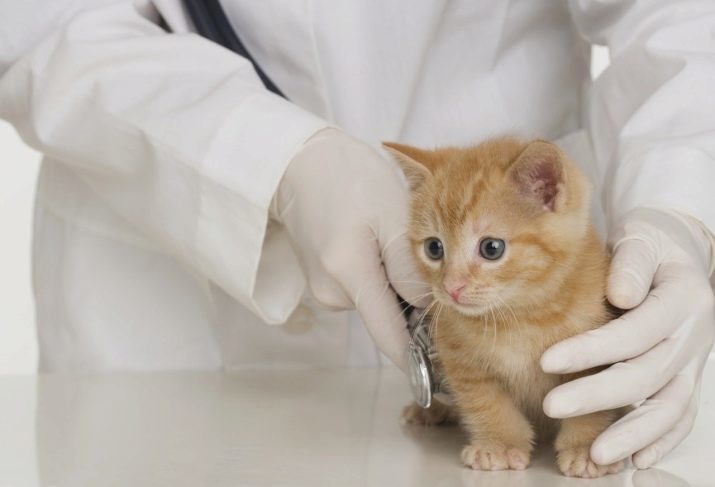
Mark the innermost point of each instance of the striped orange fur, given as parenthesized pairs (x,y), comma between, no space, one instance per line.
(548,285)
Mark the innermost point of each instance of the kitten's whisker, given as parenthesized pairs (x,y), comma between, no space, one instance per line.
(403,301)
(414,298)
(489,322)
(494,326)
(410,281)
(504,319)
(513,314)
(485,324)
(425,312)
(419,296)
(433,322)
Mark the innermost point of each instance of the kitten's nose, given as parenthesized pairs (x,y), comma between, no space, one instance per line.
(456,291)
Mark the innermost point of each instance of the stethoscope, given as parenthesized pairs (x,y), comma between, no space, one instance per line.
(211,22)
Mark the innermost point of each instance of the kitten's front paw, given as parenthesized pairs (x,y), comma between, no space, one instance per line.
(576,462)
(436,414)
(487,455)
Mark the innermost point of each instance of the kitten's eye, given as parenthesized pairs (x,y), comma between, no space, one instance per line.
(492,248)
(434,248)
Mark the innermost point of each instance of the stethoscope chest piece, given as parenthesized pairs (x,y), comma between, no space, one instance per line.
(419,369)
(425,380)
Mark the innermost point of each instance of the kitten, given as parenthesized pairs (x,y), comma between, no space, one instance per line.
(501,231)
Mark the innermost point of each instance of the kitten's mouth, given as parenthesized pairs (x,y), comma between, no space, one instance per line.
(466,308)
(470,309)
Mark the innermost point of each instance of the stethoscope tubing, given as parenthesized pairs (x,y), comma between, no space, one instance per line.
(211,22)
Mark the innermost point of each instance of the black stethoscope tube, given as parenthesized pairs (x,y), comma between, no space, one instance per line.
(211,22)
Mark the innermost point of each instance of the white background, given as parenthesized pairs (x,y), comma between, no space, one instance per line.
(18,171)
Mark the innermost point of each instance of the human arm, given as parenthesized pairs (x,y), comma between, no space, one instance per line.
(180,138)
(654,141)
(175,133)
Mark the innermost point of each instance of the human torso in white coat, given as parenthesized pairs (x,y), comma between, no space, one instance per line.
(427,73)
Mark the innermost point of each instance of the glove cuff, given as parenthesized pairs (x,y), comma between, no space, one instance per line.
(711,239)
(685,231)
(706,238)
(283,192)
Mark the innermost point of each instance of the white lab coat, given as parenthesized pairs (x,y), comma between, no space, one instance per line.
(153,247)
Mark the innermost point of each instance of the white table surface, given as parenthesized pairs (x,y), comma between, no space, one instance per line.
(266,428)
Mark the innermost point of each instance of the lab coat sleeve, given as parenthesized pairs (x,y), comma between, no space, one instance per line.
(651,112)
(175,133)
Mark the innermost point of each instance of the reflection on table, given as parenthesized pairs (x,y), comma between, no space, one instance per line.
(266,427)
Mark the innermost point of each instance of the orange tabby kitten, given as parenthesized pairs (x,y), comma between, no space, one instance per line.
(502,233)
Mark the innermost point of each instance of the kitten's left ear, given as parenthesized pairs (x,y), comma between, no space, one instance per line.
(539,173)
(413,161)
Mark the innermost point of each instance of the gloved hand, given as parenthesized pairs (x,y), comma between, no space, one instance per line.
(660,273)
(346,210)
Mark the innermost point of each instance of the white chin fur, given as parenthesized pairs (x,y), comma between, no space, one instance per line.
(470,310)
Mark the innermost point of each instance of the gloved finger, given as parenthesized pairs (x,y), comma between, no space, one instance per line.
(652,454)
(644,425)
(635,262)
(626,337)
(402,272)
(396,253)
(327,291)
(377,304)
(621,384)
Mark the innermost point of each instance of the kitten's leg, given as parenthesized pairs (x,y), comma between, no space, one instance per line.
(437,414)
(574,440)
(501,436)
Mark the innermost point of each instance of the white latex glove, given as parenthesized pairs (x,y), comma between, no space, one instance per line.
(346,210)
(660,273)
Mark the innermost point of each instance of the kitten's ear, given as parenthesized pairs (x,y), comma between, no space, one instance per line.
(539,173)
(413,161)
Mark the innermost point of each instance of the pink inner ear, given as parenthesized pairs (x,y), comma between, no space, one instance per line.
(538,179)
(542,181)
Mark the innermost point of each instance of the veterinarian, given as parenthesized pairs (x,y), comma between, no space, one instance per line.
(181,206)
